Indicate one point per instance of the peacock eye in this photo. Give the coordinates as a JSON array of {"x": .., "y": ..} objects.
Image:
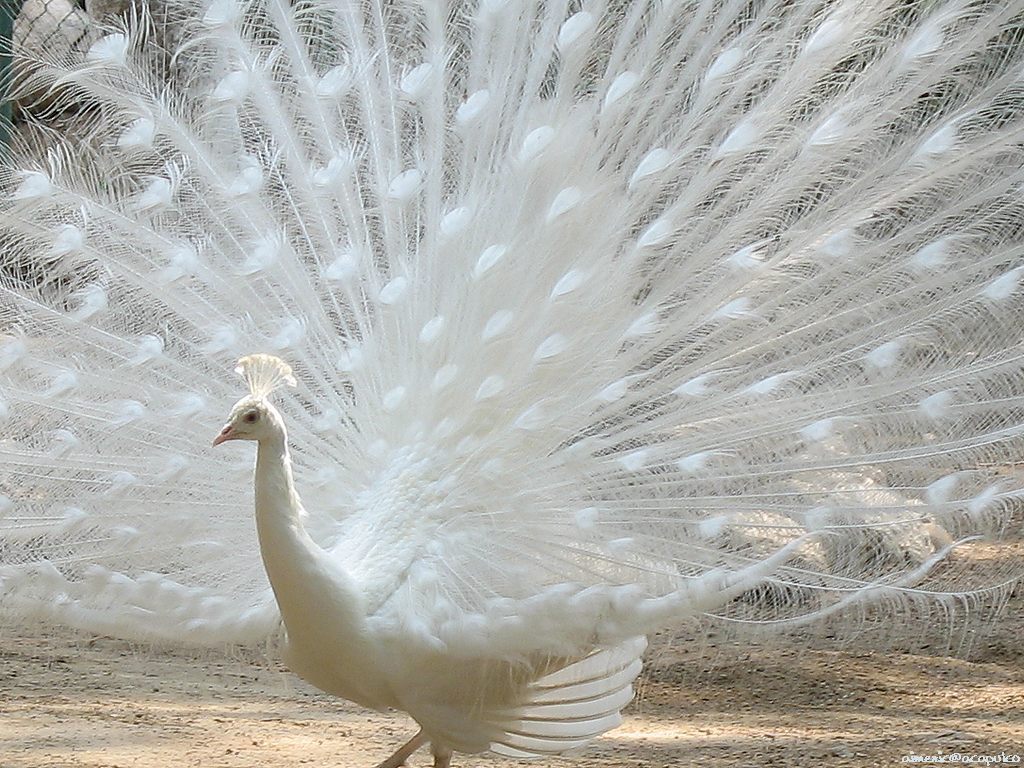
[{"x": 251, "y": 417}]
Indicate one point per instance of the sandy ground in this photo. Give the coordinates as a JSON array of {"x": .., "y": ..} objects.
[{"x": 101, "y": 703}]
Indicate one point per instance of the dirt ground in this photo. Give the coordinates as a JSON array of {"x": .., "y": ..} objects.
[{"x": 101, "y": 703}]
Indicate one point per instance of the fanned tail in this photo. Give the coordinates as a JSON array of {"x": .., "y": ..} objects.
[{"x": 601, "y": 315}]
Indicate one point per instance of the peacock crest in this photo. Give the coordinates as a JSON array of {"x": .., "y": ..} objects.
[{"x": 264, "y": 373}]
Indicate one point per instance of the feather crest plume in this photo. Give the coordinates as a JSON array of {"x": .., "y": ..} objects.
[{"x": 264, "y": 373}]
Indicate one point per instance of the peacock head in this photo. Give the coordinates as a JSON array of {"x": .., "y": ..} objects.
[{"x": 253, "y": 417}]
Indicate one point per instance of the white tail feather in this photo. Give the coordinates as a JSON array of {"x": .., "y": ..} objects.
[{"x": 568, "y": 708}]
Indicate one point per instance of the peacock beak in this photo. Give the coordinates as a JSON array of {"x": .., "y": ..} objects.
[{"x": 228, "y": 433}]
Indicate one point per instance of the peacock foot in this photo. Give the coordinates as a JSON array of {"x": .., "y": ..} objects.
[{"x": 397, "y": 760}]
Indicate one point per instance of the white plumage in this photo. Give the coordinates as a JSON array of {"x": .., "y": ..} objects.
[{"x": 602, "y": 315}]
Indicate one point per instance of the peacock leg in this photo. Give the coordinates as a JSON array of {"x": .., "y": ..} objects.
[
  {"x": 442, "y": 755},
  {"x": 398, "y": 759}
]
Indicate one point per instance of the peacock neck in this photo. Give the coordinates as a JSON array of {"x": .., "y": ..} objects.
[
  {"x": 284, "y": 543},
  {"x": 277, "y": 503},
  {"x": 300, "y": 572},
  {"x": 323, "y": 610}
]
